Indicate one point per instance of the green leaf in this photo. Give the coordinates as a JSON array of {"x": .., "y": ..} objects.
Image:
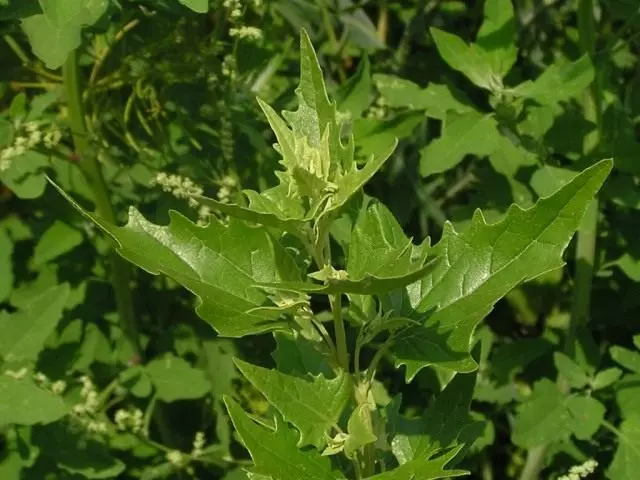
[
  {"x": 606, "y": 378},
  {"x": 49, "y": 43},
  {"x": 295, "y": 355},
  {"x": 74, "y": 452},
  {"x": 312, "y": 404},
  {"x": 423, "y": 469},
  {"x": 625, "y": 357},
  {"x": 497, "y": 36},
  {"x": 627, "y": 394},
  {"x": 275, "y": 453},
  {"x": 6, "y": 265},
  {"x": 24, "y": 177},
  {"x": 482, "y": 264},
  {"x": 221, "y": 264},
  {"x": 587, "y": 414},
  {"x": 570, "y": 371},
  {"x": 509, "y": 358},
  {"x": 23, "y": 334},
  {"x": 57, "y": 240},
  {"x": 626, "y": 460},
  {"x": 471, "y": 133},
  {"x": 543, "y": 418},
  {"x": 558, "y": 82},
  {"x": 175, "y": 379},
  {"x": 360, "y": 429},
  {"x": 354, "y": 96},
  {"x": 198, "y": 6},
  {"x": 440, "y": 425},
  {"x": 469, "y": 59},
  {"x": 64, "y": 14},
  {"x": 24, "y": 403}
]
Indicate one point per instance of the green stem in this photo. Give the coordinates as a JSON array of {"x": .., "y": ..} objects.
[
  {"x": 341, "y": 336},
  {"x": 534, "y": 463},
  {"x": 120, "y": 270}
]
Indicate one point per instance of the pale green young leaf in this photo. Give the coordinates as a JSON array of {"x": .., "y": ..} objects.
[
  {"x": 312, "y": 404},
  {"x": 424, "y": 469},
  {"x": 482, "y": 264},
  {"x": 469, "y": 59},
  {"x": 360, "y": 430},
  {"x": 174, "y": 379},
  {"x": 199, "y": 6},
  {"x": 23, "y": 334},
  {"x": 558, "y": 82},
  {"x": 57, "y": 240},
  {"x": 49, "y": 43},
  {"x": 497, "y": 36},
  {"x": 221, "y": 264},
  {"x": 275, "y": 453},
  {"x": 24, "y": 403},
  {"x": 587, "y": 414},
  {"x": 470, "y": 133},
  {"x": 625, "y": 357},
  {"x": 543, "y": 418},
  {"x": 605, "y": 378},
  {"x": 626, "y": 460},
  {"x": 79, "y": 13},
  {"x": 440, "y": 425},
  {"x": 570, "y": 371}
]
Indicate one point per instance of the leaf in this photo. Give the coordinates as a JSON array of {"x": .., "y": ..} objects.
[
  {"x": 469, "y": 59},
  {"x": 606, "y": 378},
  {"x": 626, "y": 460},
  {"x": 439, "y": 427},
  {"x": 23, "y": 177},
  {"x": 354, "y": 96},
  {"x": 482, "y": 264},
  {"x": 497, "y": 36},
  {"x": 175, "y": 379},
  {"x": 24, "y": 403},
  {"x": 360, "y": 428},
  {"x": 23, "y": 334},
  {"x": 274, "y": 452},
  {"x": 49, "y": 43},
  {"x": 312, "y": 404},
  {"x": 423, "y": 469},
  {"x": 74, "y": 452},
  {"x": 295, "y": 355},
  {"x": 543, "y": 418},
  {"x": 67, "y": 15},
  {"x": 220, "y": 264},
  {"x": 6, "y": 265},
  {"x": 625, "y": 357},
  {"x": 510, "y": 358},
  {"x": 198, "y": 6},
  {"x": 471, "y": 133},
  {"x": 57, "y": 240},
  {"x": 558, "y": 82},
  {"x": 570, "y": 371},
  {"x": 587, "y": 415}
]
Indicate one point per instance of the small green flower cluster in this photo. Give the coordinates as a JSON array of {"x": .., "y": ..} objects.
[
  {"x": 580, "y": 471},
  {"x": 30, "y": 135}
]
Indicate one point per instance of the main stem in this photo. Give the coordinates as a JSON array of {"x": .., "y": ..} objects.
[
  {"x": 341, "y": 336},
  {"x": 120, "y": 270},
  {"x": 587, "y": 234}
]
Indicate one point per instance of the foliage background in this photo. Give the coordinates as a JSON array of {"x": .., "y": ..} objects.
[{"x": 170, "y": 86}]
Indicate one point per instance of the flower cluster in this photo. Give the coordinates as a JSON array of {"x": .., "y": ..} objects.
[
  {"x": 234, "y": 7},
  {"x": 378, "y": 110},
  {"x": 253, "y": 34},
  {"x": 177, "y": 458},
  {"x": 84, "y": 410},
  {"x": 126, "y": 420},
  {"x": 227, "y": 185},
  {"x": 229, "y": 67},
  {"x": 580, "y": 471},
  {"x": 198, "y": 444},
  {"x": 183, "y": 188},
  {"x": 29, "y": 136}
]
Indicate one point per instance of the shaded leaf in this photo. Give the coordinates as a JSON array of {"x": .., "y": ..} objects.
[
  {"x": 625, "y": 357},
  {"x": 175, "y": 379},
  {"x": 587, "y": 414},
  {"x": 570, "y": 371},
  {"x": 626, "y": 460},
  {"x": 57, "y": 240},
  {"x": 24, "y": 403}
]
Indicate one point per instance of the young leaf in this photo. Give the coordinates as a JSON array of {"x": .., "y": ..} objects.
[
  {"x": 175, "y": 379},
  {"x": 221, "y": 264},
  {"x": 626, "y": 461},
  {"x": 605, "y": 378},
  {"x": 275, "y": 453},
  {"x": 424, "y": 469},
  {"x": 625, "y": 357},
  {"x": 571, "y": 371},
  {"x": 439, "y": 427},
  {"x": 49, "y": 43},
  {"x": 470, "y": 133},
  {"x": 470, "y": 60},
  {"x": 24, "y": 403},
  {"x": 558, "y": 82},
  {"x": 497, "y": 36},
  {"x": 312, "y": 404},
  {"x": 360, "y": 428},
  {"x": 482, "y": 264},
  {"x": 587, "y": 414},
  {"x": 23, "y": 334},
  {"x": 199, "y": 6}
]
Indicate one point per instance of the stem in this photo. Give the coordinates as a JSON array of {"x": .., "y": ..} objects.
[
  {"x": 341, "y": 336},
  {"x": 120, "y": 270},
  {"x": 534, "y": 463}
]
